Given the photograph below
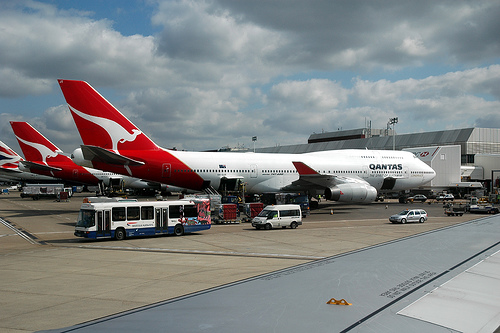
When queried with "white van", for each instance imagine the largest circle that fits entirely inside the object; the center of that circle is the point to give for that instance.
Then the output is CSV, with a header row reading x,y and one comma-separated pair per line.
x,y
275,216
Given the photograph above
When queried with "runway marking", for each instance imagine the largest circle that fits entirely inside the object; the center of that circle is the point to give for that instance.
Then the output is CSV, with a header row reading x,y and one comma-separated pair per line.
x,y
225,253
20,233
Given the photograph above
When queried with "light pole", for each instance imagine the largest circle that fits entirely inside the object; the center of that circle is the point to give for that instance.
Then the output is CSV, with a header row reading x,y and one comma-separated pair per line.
x,y
393,122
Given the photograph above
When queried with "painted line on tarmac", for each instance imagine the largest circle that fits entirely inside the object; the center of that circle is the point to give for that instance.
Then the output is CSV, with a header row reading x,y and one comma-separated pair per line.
x,y
24,235
342,221
223,253
54,232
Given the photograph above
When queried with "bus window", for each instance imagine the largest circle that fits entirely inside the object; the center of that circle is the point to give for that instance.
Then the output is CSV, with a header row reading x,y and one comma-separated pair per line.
x,y
118,214
147,213
175,211
190,211
132,213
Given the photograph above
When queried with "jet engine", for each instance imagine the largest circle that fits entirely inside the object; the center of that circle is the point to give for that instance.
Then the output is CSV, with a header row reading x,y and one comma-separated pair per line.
x,y
77,157
351,192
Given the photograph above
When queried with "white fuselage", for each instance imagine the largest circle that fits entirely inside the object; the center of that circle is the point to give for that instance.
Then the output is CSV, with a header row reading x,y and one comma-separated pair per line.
x,y
266,172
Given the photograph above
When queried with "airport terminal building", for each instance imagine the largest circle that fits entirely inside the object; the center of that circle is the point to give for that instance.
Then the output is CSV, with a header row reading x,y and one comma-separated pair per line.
x,y
464,159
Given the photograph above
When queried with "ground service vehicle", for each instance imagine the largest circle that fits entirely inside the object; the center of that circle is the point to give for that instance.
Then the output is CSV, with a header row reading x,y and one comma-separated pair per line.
x,y
478,206
278,216
451,210
123,219
37,191
409,215
483,209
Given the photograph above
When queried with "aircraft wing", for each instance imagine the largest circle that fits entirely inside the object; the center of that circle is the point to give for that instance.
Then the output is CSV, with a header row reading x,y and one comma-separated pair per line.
x,y
39,166
310,178
97,153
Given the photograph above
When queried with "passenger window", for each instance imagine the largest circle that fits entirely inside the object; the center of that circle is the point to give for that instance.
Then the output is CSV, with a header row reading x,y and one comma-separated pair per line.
x,y
147,213
118,214
132,213
190,211
175,211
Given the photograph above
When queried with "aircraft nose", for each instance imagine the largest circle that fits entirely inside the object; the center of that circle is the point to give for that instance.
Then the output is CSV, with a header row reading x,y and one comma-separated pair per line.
x,y
430,174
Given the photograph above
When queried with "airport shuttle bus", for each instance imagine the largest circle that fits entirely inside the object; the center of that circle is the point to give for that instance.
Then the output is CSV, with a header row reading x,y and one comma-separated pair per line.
x,y
121,219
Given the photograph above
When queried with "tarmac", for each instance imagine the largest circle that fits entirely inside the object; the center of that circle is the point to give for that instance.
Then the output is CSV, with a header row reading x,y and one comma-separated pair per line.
x,y
51,279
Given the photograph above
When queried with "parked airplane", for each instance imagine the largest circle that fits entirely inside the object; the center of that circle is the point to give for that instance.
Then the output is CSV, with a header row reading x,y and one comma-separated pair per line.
x,y
44,158
113,143
10,170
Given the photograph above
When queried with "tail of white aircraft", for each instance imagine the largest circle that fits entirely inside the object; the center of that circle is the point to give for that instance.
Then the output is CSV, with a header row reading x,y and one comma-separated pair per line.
x,y
34,145
99,122
114,143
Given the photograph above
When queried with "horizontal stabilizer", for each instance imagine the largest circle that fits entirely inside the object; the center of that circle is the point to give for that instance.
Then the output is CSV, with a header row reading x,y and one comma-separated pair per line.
x,y
39,166
97,153
10,170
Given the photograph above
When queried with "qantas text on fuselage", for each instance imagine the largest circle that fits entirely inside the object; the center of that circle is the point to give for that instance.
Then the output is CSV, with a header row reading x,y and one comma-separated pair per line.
x,y
386,166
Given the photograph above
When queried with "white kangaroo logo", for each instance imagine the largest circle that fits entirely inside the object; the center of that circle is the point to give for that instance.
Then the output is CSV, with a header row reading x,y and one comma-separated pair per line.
x,y
44,151
115,130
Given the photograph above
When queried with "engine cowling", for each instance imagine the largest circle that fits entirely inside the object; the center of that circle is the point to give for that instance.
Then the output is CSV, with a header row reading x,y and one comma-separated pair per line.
x,y
77,157
351,192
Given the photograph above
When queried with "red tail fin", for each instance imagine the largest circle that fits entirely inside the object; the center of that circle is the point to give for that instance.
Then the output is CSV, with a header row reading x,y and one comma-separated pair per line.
x,y
100,123
34,145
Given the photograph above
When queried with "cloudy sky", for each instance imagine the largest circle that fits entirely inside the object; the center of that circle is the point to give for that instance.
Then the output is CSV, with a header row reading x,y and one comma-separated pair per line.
x,y
200,75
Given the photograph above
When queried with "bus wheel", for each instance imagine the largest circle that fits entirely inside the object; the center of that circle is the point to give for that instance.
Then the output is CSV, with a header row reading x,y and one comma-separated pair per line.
x,y
293,225
120,234
179,230
269,226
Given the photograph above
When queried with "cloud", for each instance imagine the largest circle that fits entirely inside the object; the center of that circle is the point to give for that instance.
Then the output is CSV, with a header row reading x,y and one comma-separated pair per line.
x,y
491,120
383,34
42,43
15,84
304,106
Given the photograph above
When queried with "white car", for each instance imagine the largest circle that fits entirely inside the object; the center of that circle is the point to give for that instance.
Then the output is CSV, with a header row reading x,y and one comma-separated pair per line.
x,y
409,215
445,197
